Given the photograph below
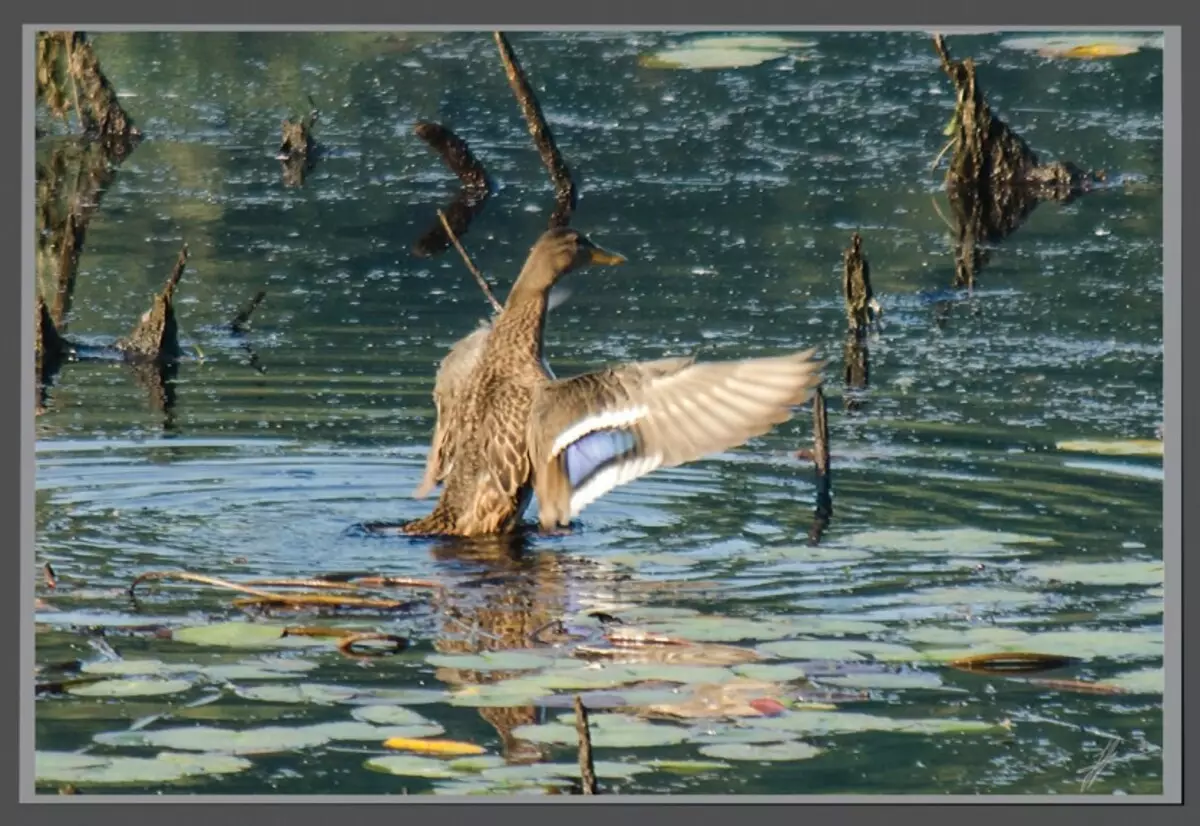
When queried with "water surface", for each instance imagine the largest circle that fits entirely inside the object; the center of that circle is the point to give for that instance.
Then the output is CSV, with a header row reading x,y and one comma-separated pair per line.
x,y
733,193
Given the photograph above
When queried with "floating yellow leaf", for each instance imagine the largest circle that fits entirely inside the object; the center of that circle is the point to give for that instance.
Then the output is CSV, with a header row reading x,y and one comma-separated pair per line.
x,y
1094,50
1082,47
447,747
1114,447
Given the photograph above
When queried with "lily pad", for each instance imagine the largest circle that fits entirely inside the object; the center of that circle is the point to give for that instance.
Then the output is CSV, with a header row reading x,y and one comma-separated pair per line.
x,y
1135,572
1143,681
682,674
388,715
130,688
723,53
1086,644
607,731
980,597
848,722
358,730
398,696
265,740
505,694
958,541
965,637
737,734
489,661
770,672
411,765
726,629
535,772
137,668
831,555
243,635
686,766
840,650
886,681
314,693
94,770
759,753
478,762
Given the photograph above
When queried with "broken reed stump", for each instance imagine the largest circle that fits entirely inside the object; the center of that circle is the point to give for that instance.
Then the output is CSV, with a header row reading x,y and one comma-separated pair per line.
x,y
471,197
66,62
861,307
565,193
820,453
587,769
298,150
862,310
156,336
994,180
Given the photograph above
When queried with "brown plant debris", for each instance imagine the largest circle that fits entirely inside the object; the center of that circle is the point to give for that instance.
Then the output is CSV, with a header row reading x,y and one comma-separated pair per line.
x,y
994,180
156,336
565,194
257,596
471,197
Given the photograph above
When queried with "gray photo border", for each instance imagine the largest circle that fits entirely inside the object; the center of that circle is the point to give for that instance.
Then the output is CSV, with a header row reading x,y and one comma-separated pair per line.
x,y
535,14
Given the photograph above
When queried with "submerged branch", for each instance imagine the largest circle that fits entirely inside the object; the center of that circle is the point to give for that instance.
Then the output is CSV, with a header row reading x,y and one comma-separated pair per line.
x,y
566,196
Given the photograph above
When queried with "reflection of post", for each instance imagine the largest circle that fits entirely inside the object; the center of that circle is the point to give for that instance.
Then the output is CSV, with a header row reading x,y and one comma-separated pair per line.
x,y
543,138
70,186
824,509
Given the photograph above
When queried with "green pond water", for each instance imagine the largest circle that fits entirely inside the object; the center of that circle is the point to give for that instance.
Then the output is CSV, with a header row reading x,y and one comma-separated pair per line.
x,y
958,525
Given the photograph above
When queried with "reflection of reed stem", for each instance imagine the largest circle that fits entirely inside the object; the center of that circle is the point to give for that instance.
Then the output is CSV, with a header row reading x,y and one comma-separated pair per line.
x,y
587,769
824,508
483,285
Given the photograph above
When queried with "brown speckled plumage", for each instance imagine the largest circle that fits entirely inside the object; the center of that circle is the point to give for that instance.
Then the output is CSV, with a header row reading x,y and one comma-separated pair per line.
x,y
507,428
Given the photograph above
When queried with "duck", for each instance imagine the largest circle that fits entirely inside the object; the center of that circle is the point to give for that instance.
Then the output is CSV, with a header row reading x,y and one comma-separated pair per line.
x,y
507,429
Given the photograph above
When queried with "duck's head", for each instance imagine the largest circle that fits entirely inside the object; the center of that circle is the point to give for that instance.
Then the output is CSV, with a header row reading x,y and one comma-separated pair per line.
x,y
563,249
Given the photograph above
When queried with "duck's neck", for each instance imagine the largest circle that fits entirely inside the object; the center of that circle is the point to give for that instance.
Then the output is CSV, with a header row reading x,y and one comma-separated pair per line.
x,y
523,319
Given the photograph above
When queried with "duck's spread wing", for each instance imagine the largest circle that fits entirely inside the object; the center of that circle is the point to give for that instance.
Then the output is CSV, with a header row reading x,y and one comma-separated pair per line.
x,y
452,378
590,433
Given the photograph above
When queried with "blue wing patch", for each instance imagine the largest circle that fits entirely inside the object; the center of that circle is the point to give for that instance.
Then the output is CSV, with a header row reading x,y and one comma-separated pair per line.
x,y
590,453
